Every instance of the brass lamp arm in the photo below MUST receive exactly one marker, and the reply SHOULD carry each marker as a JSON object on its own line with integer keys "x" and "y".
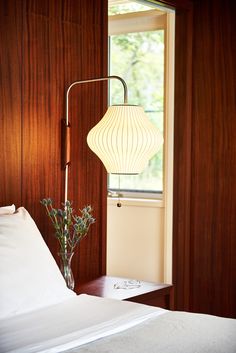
{"x": 94, "y": 80}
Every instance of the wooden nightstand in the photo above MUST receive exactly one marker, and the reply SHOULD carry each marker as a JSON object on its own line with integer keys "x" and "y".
{"x": 146, "y": 292}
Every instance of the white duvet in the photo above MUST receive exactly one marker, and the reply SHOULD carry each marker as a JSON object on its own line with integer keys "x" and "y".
{"x": 87, "y": 324}
{"x": 73, "y": 323}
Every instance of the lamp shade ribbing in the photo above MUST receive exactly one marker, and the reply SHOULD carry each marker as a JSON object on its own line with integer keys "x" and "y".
{"x": 124, "y": 139}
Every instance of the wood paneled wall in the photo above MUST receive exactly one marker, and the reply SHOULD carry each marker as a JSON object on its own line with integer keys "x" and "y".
{"x": 182, "y": 156}
{"x": 213, "y": 221}
{"x": 204, "y": 229}
{"x": 44, "y": 46}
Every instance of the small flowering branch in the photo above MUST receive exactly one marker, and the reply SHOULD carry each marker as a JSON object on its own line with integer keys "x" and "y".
{"x": 70, "y": 229}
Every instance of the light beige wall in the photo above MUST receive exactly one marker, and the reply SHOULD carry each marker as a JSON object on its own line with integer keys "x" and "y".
{"x": 135, "y": 240}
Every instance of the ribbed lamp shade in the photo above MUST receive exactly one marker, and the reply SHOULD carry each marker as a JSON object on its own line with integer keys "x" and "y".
{"x": 124, "y": 139}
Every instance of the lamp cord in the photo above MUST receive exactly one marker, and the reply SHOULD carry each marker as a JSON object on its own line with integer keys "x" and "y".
{"x": 118, "y": 203}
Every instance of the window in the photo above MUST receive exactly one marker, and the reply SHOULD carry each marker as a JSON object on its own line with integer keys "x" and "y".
{"x": 137, "y": 54}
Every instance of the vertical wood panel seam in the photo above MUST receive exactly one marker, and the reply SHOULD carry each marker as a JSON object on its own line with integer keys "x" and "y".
{"x": 22, "y": 96}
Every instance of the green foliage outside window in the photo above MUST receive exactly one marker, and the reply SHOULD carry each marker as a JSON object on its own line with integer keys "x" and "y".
{"x": 139, "y": 59}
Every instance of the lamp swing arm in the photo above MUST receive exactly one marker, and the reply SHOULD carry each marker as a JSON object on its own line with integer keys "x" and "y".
{"x": 66, "y": 148}
{"x": 94, "y": 80}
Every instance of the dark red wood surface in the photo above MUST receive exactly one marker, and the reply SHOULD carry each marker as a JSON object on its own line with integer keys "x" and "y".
{"x": 213, "y": 197}
{"x": 182, "y": 157}
{"x": 10, "y": 102}
{"x": 204, "y": 225}
{"x": 45, "y": 45}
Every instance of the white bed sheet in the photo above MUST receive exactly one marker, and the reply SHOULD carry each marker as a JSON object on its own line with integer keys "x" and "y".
{"x": 74, "y": 322}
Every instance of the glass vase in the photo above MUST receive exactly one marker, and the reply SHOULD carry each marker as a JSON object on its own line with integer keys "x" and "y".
{"x": 65, "y": 267}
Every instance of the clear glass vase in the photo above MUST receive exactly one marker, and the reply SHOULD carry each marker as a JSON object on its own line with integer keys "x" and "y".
{"x": 65, "y": 267}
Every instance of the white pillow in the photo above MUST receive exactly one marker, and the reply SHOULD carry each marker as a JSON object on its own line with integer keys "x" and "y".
{"x": 29, "y": 275}
{"x": 7, "y": 209}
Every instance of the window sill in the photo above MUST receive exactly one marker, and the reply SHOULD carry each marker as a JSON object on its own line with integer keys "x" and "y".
{"x": 112, "y": 201}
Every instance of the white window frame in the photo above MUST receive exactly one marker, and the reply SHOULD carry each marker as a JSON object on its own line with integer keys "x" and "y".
{"x": 150, "y": 20}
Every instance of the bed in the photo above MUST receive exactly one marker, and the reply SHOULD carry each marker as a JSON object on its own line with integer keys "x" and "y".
{"x": 38, "y": 313}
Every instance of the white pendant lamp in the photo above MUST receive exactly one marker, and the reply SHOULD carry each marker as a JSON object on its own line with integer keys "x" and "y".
{"x": 124, "y": 139}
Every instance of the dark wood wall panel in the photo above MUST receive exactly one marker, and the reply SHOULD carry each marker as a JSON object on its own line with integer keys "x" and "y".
{"x": 88, "y": 105}
{"x": 48, "y": 45}
{"x": 204, "y": 223}
{"x": 182, "y": 156}
{"x": 10, "y": 102}
{"x": 213, "y": 226}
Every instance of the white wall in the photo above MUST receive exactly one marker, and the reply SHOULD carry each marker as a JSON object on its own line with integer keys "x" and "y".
{"x": 135, "y": 239}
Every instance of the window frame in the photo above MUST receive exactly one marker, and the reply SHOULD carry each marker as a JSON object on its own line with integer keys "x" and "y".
{"x": 153, "y": 19}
